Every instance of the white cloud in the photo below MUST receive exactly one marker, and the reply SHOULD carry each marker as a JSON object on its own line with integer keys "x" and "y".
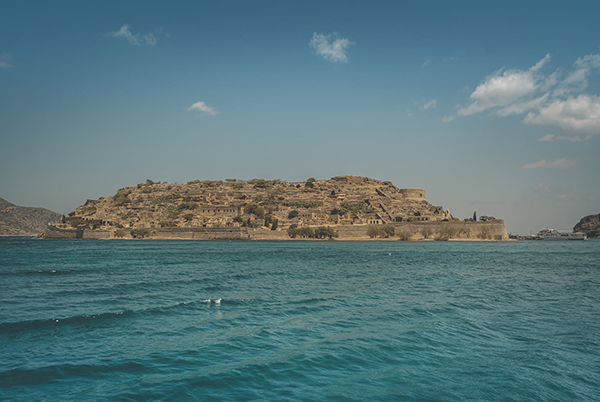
{"x": 203, "y": 107}
{"x": 562, "y": 163}
{"x": 579, "y": 116}
{"x": 565, "y": 197}
{"x": 5, "y": 60}
{"x": 541, "y": 187}
{"x": 431, "y": 104}
{"x": 447, "y": 119}
{"x": 552, "y": 99}
{"x": 426, "y": 63}
{"x": 331, "y": 47}
{"x": 136, "y": 39}
{"x": 505, "y": 88}
{"x": 522, "y": 107}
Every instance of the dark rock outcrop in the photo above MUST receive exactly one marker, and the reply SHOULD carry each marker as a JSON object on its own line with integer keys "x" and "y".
{"x": 590, "y": 225}
{"x": 24, "y": 221}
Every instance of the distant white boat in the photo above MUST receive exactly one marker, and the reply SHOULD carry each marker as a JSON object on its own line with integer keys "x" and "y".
{"x": 555, "y": 234}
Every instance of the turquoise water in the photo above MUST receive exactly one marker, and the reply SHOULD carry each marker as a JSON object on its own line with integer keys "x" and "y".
{"x": 299, "y": 321}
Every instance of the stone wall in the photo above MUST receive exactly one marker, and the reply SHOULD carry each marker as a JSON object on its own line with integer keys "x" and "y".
{"x": 494, "y": 230}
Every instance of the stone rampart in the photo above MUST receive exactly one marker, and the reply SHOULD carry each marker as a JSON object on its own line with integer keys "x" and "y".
{"x": 494, "y": 230}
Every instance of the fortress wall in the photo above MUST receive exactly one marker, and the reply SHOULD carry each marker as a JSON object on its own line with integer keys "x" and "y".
{"x": 198, "y": 234}
{"x": 456, "y": 230}
{"x": 54, "y": 233}
{"x": 97, "y": 234}
{"x": 460, "y": 230}
{"x": 265, "y": 234}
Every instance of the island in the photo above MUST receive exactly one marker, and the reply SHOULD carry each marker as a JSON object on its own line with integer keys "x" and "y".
{"x": 343, "y": 207}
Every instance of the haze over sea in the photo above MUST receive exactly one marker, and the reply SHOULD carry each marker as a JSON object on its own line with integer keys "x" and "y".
{"x": 414, "y": 321}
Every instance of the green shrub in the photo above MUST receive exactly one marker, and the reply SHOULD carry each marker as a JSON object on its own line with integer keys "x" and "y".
{"x": 255, "y": 209}
{"x": 426, "y": 232}
{"x": 77, "y": 222}
{"x": 120, "y": 233}
{"x": 404, "y": 235}
{"x": 293, "y": 214}
{"x": 140, "y": 233}
{"x": 447, "y": 233}
{"x": 323, "y": 232}
{"x": 121, "y": 197}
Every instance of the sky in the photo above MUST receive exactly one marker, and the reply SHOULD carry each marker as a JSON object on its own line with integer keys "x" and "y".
{"x": 491, "y": 107}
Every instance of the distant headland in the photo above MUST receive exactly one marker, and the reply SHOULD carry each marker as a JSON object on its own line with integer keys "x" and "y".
{"x": 590, "y": 225}
{"x": 343, "y": 207}
{"x": 24, "y": 221}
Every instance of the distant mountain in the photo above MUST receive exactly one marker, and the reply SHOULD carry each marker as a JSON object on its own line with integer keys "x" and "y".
{"x": 24, "y": 221}
{"x": 589, "y": 225}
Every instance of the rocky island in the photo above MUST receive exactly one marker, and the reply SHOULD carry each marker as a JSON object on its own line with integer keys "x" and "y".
{"x": 343, "y": 207}
{"x": 590, "y": 225}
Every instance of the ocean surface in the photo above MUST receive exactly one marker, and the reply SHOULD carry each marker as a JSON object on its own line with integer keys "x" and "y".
{"x": 299, "y": 321}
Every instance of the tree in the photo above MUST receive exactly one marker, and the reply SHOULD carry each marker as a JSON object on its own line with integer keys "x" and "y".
{"x": 120, "y": 233}
{"x": 372, "y": 231}
{"x": 388, "y": 231}
{"x": 141, "y": 233}
{"x": 426, "y": 232}
{"x": 323, "y": 232}
{"x": 293, "y": 214}
{"x": 474, "y": 216}
{"x": 275, "y": 224}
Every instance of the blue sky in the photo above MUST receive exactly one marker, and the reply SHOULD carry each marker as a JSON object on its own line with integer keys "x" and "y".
{"x": 490, "y": 107}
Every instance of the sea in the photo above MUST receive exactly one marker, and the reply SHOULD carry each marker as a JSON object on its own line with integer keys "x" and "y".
{"x": 299, "y": 321}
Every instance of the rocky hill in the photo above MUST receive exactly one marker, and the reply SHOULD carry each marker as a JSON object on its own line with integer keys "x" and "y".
{"x": 590, "y": 225}
{"x": 24, "y": 221}
{"x": 257, "y": 203}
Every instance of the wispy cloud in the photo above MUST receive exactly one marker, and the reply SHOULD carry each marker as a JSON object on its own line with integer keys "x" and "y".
{"x": 5, "y": 60}
{"x": 331, "y": 47}
{"x": 554, "y": 137}
{"x": 541, "y": 187}
{"x": 431, "y": 104}
{"x": 565, "y": 197}
{"x": 447, "y": 119}
{"x": 204, "y": 108}
{"x": 427, "y": 62}
{"x": 562, "y": 163}
{"x": 137, "y": 39}
{"x": 546, "y": 99}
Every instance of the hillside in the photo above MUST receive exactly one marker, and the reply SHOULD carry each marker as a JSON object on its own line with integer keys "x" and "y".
{"x": 24, "y": 221}
{"x": 340, "y": 200}
{"x": 590, "y": 225}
